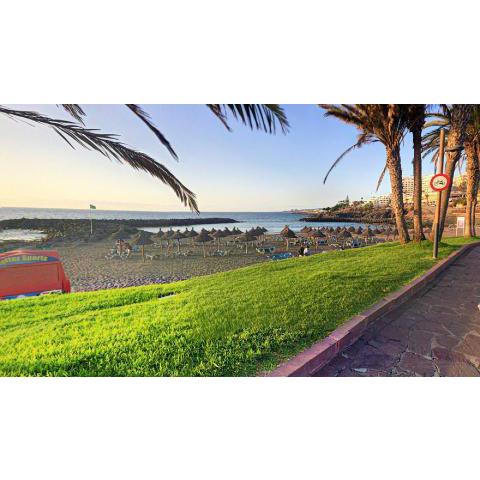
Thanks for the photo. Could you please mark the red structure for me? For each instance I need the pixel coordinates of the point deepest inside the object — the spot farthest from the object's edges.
(26, 273)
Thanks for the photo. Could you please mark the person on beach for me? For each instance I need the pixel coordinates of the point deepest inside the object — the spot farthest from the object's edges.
(127, 248)
(305, 251)
(301, 251)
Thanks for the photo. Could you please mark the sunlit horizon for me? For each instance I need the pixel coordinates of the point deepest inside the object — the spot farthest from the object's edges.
(242, 170)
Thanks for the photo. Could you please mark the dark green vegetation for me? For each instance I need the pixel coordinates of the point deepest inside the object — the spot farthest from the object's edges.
(233, 323)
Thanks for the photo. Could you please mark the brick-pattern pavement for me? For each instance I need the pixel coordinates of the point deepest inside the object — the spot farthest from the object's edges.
(434, 334)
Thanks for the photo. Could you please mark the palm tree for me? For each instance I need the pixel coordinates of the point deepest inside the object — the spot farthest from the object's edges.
(416, 114)
(471, 152)
(472, 146)
(455, 120)
(461, 124)
(257, 116)
(388, 125)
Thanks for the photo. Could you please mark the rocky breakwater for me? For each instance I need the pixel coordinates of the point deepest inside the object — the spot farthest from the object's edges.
(350, 215)
(79, 229)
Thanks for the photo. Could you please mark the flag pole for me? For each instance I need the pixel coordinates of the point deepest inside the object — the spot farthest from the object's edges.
(91, 220)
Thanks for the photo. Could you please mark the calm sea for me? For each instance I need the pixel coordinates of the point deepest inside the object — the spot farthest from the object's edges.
(273, 221)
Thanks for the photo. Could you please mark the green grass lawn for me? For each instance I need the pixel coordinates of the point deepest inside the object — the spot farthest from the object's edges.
(232, 323)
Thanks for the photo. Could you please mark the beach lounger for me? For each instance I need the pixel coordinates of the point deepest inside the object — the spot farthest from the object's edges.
(265, 250)
(281, 256)
(218, 253)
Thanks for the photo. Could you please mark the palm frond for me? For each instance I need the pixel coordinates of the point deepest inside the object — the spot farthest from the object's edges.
(342, 113)
(436, 123)
(382, 175)
(146, 119)
(256, 116)
(363, 139)
(108, 145)
(75, 111)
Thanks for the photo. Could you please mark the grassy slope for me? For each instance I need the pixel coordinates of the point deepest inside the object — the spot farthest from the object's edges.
(231, 323)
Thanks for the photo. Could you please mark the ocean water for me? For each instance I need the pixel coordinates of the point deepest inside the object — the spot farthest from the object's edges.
(272, 221)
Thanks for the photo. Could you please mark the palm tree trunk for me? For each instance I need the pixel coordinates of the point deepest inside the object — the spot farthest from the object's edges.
(471, 194)
(476, 186)
(460, 117)
(418, 235)
(395, 171)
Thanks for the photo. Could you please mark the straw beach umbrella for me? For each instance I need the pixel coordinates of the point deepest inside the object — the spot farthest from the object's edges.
(286, 233)
(351, 229)
(166, 236)
(121, 234)
(260, 233)
(218, 235)
(246, 237)
(141, 239)
(203, 237)
(178, 235)
(192, 234)
(158, 237)
(368, 234)
(315, 235)
(345, 235)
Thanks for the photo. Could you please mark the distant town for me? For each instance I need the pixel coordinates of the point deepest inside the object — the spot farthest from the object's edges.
(457, 197)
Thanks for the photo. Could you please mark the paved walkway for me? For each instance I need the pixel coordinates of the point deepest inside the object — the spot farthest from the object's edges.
(434, 334)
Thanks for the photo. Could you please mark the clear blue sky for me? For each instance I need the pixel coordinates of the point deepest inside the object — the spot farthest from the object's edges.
(239, 171)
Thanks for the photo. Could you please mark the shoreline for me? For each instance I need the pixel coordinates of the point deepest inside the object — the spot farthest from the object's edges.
(336, 219)
(68, 229)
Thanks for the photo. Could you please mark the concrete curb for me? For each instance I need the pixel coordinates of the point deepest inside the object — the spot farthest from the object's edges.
(321, 353)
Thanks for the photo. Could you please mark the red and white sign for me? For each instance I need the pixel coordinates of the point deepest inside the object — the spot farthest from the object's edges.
(440, 181)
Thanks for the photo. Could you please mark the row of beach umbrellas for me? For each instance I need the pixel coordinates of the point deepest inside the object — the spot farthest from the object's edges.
(143, 238)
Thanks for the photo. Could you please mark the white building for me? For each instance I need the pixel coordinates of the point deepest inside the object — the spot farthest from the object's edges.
(381, 200)
(428, 195)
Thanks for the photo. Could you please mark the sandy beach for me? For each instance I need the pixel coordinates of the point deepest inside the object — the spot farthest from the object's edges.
(88, 269)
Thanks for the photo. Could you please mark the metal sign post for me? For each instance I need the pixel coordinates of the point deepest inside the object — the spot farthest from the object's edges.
(439, 174)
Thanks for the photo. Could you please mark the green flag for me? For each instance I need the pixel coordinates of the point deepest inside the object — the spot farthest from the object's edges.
(93, 207)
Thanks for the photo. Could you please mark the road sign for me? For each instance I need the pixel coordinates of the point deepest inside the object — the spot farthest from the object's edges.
(440, 182)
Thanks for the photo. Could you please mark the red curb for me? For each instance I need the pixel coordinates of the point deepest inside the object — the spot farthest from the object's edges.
(321, 353)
